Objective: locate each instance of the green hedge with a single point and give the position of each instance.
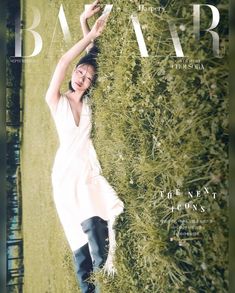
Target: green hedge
(158, 128)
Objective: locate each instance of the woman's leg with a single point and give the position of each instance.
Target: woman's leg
(98, 238)
(83, 263)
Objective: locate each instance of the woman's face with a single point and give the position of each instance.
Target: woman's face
(82, 77)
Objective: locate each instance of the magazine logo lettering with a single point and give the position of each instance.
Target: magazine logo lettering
(38, 43)
(37, 38)
(215, 22)
(36, 35)
(174, 35)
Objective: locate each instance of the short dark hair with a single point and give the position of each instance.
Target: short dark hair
(89, 59)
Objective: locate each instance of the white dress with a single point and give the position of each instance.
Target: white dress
(79, 190)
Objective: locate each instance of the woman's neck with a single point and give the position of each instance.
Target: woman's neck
(75, 96)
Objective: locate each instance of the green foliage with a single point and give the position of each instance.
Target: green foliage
(159, 125)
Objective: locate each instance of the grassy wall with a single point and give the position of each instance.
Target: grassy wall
(157, 127)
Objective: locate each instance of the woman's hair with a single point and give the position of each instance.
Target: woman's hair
(89, 59)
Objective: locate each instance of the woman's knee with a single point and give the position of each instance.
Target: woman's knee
(97, 231)
(94, 223)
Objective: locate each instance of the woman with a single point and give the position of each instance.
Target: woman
(86, 204)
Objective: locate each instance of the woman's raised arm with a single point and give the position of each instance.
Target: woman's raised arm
(88, 13)
(53, 92)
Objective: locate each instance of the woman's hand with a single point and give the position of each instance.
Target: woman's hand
(99, 26)
(93, 9)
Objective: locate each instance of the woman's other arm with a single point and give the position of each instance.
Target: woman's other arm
(88, 13)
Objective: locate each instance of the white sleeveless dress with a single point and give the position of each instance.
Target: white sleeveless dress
(79, 190)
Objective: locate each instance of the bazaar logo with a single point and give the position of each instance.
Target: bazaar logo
(136, 25)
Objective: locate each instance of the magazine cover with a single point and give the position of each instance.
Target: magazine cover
(117, 146)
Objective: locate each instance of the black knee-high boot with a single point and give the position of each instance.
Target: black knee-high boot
(84, 268)
(98, 238)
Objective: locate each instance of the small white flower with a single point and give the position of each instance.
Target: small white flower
(121, 157)
(213, 86)
(203, 266)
